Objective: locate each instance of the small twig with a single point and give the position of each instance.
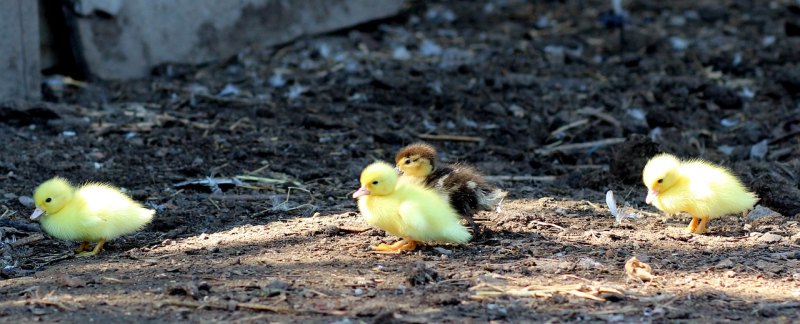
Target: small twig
(288, 195)
(319, 293)
(521, 178)
(585, 167)
(581, 146)
(585, 295)
(451, 138)
(566, 127)
(349, 229)
(53, 303)
(237, 123)
(23, 241)
(213, 203)
(547, 224)
(452, 280)
(256, 171)
(250, 306)
(7, 212)
(579, 290)
(208, 130)
(263, 180)
(599, 114)
(241, 197)
(784, 137)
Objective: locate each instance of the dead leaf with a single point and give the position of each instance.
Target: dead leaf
(638, 270)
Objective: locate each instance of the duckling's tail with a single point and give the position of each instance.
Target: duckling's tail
(491, 200)
(457, 234)
(145, 216)
(148, 215)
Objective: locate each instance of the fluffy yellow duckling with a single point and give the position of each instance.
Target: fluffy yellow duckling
(700, 188)
(406, 210)
(463, 186)
(94, 212)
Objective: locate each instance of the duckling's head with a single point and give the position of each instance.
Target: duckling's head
(416, 160)
(51, 196)
(660, 174)
(377, 179)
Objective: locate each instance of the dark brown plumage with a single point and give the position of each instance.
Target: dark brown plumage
(463, 186)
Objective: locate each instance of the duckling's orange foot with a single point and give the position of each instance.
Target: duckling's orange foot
(702, 228)
(83, 247)
(692, 228)
(402, 245)
(86, 254)
(97, 249)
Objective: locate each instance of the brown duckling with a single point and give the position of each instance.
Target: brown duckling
(463, 186)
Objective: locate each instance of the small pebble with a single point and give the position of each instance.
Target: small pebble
(770, 238)
(443, 250)
(26, 201)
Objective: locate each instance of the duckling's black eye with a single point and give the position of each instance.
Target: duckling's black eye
(660, 180)
(48, 200)
(375, 182)
(408, 161)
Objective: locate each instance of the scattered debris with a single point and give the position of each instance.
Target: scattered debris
(422, 275)
(593, 292)
(639, 271)
(759, 150)
(66, 280)
(452, 138)
(230, 90)
(761, 212)
(625, 212)
(213, 185)
(226, 306)
(593, 145)
(23, 241)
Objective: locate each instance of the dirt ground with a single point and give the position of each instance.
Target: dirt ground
(286, 130)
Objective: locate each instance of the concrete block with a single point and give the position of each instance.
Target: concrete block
(133, 36)
(20, 75)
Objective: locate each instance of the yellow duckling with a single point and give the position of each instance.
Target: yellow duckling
(95, 212)
(464, 187)
(406, 210)
(700, 188)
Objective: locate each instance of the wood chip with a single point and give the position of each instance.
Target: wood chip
(638, 270)
(352, 229)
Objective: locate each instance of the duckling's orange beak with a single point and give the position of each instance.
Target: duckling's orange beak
(361, 192)
(36, 213)
(397, 169)
(651, 195)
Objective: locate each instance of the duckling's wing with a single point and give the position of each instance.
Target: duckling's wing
(414, 219)
(93, 222)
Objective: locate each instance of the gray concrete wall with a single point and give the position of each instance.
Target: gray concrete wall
(19, 50)
(145, 33)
